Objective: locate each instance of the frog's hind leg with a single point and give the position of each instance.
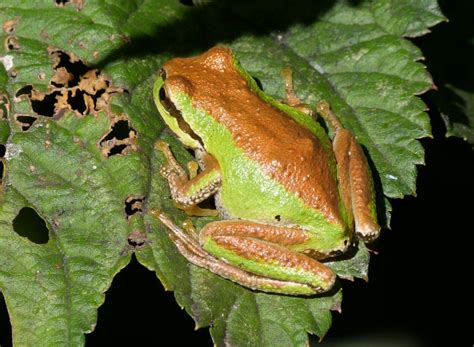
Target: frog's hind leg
(265, 250)
(191, 249)
(355, 179)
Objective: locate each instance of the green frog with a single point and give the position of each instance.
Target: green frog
(287, 195)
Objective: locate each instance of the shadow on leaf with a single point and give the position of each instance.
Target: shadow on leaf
(220, 22)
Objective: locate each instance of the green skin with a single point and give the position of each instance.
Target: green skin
(240, 179)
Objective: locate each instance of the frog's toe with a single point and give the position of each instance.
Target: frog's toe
(166, 171)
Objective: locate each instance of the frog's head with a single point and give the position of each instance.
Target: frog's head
(184, 83)
(165, 92)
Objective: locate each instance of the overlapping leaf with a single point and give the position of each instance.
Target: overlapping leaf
(450, 50)
(457, 110)
(353, 56)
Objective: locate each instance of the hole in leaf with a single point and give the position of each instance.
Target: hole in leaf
(187, 2)
(30, 225)
(278, 217)
(26, 90)
(135, 243)
(11, 43)
(133, 205)
(12, 73)
(46, 106)
(117, 149)
(77, 101)
(78, 3)
(74, 86)
(136, 239)
(25, 121)
(74, 66)
(118, 138)
(10, 25)
(61, 78)
(120, 130)
(3, 150)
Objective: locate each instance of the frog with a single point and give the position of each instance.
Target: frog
(288, 196)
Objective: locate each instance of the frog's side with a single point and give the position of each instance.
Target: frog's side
(279, 188)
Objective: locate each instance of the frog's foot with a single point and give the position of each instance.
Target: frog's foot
(191, 249)
(186, 191)
(354, 177)
(171, 166)
(186, 241)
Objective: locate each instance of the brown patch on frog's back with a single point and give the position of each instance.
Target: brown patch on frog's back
(286, 150)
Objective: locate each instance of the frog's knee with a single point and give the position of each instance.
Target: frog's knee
(205, 235)
(344, 245)
(341, 247)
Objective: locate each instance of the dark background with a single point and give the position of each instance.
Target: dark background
(420, 288)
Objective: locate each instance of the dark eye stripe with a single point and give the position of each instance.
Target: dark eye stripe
(174, 112)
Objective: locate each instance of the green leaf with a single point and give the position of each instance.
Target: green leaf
(368, 75)
(353, 264)
(449, 51)
(457, 111)
(86, 164)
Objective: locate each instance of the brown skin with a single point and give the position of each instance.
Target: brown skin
(265, 243)
(192, 251)
(354, 177)
(286, 151)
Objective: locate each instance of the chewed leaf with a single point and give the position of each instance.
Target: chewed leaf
(457, 109)
(354, 263)
(78, 125)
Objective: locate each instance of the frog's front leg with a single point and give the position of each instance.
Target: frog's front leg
(353, 173)
(186, 191)
(355, 180)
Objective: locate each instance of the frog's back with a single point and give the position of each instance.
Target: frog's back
(284, 151)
